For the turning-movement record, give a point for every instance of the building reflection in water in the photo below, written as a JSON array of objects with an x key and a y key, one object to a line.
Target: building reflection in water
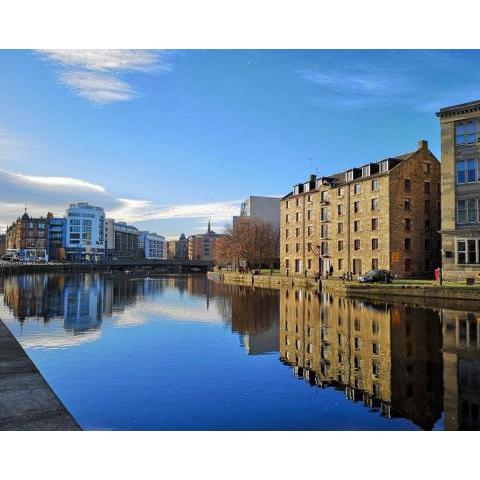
[
  {"x": 399, "y": 360},
  {"x": 414, "y": 362}
]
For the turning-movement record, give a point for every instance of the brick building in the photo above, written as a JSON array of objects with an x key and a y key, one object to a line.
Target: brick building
[
  {"x": 460, "y": 134},
  {"x": 383, "y": 215},
  {"x": 27, "y": 236},
  {"x": 202, "y": 246}
]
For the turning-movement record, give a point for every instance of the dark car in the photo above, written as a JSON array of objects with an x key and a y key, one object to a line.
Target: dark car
[{"x": 376, "y": 276}]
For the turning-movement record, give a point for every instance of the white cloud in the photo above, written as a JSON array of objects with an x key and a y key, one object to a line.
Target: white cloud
[
  {"x": 44, "y": 194},
  {"x": 95, "y": 74},
  {"x": 98, "y": 88},
  {"x": 110, "y": 60}
]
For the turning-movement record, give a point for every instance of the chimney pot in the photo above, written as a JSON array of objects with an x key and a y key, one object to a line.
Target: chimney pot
[{"x": 422, "y": 145}]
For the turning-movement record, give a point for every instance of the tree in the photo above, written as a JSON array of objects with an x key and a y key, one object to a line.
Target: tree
[{"x": 252, "y": 242}]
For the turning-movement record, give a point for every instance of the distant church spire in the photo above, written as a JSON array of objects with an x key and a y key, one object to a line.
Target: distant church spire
[{"x": 209, "y": 230}]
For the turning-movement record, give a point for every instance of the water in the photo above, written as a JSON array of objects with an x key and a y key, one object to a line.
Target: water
[{"x": 182, "y": 353}]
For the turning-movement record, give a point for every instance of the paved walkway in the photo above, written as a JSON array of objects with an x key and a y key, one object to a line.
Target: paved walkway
[{"x": 26, "y": 400}]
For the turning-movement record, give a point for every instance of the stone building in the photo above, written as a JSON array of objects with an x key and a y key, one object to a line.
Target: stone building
[
  {"x": 27, "y": 236},
  {"x": 202, "y": 246},
  {"x": 178, "y": 249},
  {"x": 383, "y": 215},
  {"x": 3, "y": 243},
  {"x": 460, "y": 230}
]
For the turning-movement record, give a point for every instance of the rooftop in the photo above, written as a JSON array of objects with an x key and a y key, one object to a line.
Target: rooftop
[{"x": 461, "y": 106}]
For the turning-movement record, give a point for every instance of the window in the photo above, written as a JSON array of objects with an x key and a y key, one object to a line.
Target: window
[
  {"x": 297, "y": 217},
  {"x": 427, "y": 225},
  {"x": 375, "y": 185},
  {"x": 287, "y": 204},
  {"x": 309, "y": 198},
  {"x": 309, "y": 264},
  {"x": 309, "y": 230},
  {"x": 324, "y": 248},
  {"x": 357, "y": 343},
  {"x": 287, "y": 218},
  {"x": 309, "y": 246},
  {"x": 349, "y": 176},
  {"x": 340, "y": 264},
  {"x": 427, "y": 206},
  {"x": 461, "y": 171},
  {"x": 374, "y": 263},
  {"x": 324, "y": 196},
  {"x": 374, "y": 243},
  {"x": 356, "y": 206},
  {"x": 428, "y": 244},
  {"x": 340, "y": 209},
  {"x": 408, "y": 224},
  {"x": 407, "y": 264},
  {"x": 298, "y": 265},
  {"x": 374, "y": 203},
  {"x": 357, "y": 188},
  {"x": 383, "y": 166},
  {"x": 357, "y": 266},
  {"x": 286, "y": 233},
  {"x": 374, "y": 223},
  {"x": 356, "y": 225},
  {"x": 286, "y": 248},
  {"x": 324, "y": 214},
  {"x": 297, "y": 202},
  {"x": 426, "y": 167},
  {"x": 471, "y": 177},
  {"x": 297, "y": 247},
  {"x": 340, "y": 192},
  {"x": 324, "y": 231},
  {"x": 407, "y": 204},
  {"x": 340, "y": 227},
  {"x": 467, "y": 211},
  {"x": 408, "y": 243},
  {"x": 297, "y": 232},
  {"x": 426, "y": 187},
  {"x": 468, "y": 251},
  {"x": 287, "y": 263},
  {"x": 375, "y": 348},
  {"x": 356, "y": 244},
  {"x": 408, "y": 185},
  {"x": 467, "y": 132},
  {"x": 340, "y": 245}
]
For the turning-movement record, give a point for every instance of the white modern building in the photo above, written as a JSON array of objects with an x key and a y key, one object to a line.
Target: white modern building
[
  {"x": 85, "y": 233},
  {"x": 266, "y": 209},
  {"x": 153, "y": 245}
]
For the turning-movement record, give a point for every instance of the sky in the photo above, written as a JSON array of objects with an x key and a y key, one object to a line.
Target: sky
[{"x": 168, "y": 140}]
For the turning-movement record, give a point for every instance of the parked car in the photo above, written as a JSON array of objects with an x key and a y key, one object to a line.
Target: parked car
[{"x": 376, "y": 276}]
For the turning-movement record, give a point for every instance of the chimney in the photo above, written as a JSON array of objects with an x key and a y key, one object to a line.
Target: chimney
[{"x": 423, "y": 145}]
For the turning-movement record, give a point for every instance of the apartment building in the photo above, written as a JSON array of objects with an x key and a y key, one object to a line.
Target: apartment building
[
  {"x": 126, "y": 241},
  {"x": 202, "y": 246},
  {"x": 27, "y": 237},
  {"x": 84, "y": 233},
  {"x": 460, "y": 230},
  {"x": 152, "y": 245},
  {"x": 384, "y": 214}
]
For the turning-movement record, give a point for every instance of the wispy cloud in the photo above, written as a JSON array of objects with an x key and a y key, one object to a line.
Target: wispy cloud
[
  {"x": 358, "y": 85},
  {"x": 44, "y": 193},
  {"x": 96, "y": 75}
]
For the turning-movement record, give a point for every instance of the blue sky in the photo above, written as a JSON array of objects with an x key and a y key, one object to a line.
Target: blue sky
[{"x": 169, "y": 139}]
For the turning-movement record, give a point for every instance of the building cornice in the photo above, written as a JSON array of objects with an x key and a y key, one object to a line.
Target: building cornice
[{"x": 461, "y": 109}]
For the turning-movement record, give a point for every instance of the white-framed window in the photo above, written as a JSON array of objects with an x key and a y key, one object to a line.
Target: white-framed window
[
  {"x": 468, "y": 251},
  {"x": 357, "y": 188},
  {"x": 375, "y": 185}
]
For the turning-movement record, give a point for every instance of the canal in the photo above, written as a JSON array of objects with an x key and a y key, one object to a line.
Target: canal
[{"x": 124, "y": 352}]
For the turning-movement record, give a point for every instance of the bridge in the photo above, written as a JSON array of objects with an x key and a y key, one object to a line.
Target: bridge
[
  {"x": 145, "y": 265},
  {"x": 176, "y": 266}
]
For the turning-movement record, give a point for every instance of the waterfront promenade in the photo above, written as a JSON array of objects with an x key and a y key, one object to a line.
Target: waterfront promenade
[
  {"x": 424, "y": 289},
  {"x": 26, "y": 400}
]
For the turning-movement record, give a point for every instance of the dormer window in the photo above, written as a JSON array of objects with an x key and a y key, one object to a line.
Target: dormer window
[
  {"x": 306, "y": 187},
  {"x": 296, "y": 189},
  {"x": 349, "y": 176},
  {"x": 384, "y": 166},
  {"x": 366, "y": 171}
]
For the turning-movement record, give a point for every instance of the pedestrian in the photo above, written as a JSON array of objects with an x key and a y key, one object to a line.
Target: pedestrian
[{"x": 331, "y": 270}]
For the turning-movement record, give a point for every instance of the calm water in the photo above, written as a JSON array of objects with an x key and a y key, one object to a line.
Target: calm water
[{"x": 179, "y": 352}]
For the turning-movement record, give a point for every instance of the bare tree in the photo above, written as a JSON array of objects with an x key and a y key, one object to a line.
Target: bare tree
[{"x": 252, "y": 242}]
